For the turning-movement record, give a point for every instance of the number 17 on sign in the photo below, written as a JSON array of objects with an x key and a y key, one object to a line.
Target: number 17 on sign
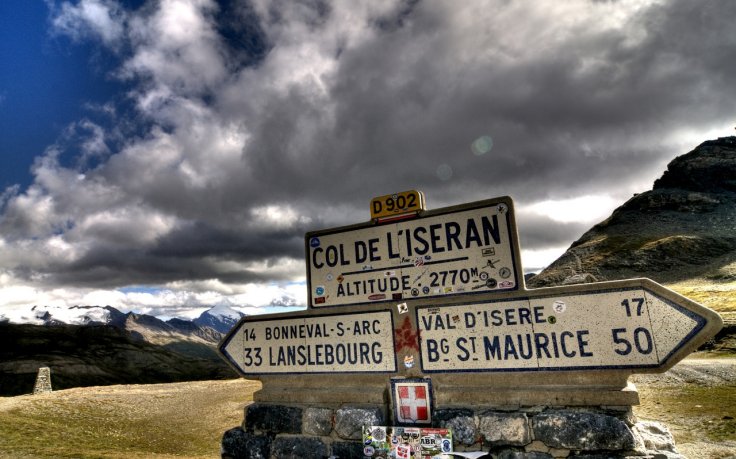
[{"x": 639, "y": 302}]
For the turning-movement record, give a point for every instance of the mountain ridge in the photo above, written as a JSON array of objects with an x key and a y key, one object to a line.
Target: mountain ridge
[
  {"x": 106, "y": 346},
  {"x": 219, "y": 318},
  {"x": 90, "y": 355},
  {"x": 683, "y": 228},
  {"x": 209, "y": 326}
]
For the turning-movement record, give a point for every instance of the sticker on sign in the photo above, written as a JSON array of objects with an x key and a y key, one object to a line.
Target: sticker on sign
[{"x": 456, "y": 250}]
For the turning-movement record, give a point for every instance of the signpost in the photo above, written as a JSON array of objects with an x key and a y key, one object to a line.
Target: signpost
[
  {"x": 451, "y": 281},
  {"x": 419, "y": 312},
  {"x": 626, "y": 326},
  {"x": 457, "y": 250}
]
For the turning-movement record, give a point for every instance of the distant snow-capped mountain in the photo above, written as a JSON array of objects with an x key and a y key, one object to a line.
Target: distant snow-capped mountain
[
  {"x": 221, "y": 318},
  {"x": 102, "y": 345},
  {"x": 208, "y": 327},
  {"x": 72, "y": 315}
]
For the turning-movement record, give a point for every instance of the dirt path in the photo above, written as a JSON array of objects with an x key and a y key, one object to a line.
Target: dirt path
[
  {"x": 696, "y": 399},
  {"x": 708, "y": 372}
]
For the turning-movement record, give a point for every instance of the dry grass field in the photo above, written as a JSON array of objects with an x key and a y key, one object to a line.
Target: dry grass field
[
  {"x": 696, "y": 399},
  {"x": 126, "y": 421},
  {"x": 719, "y": 296}
]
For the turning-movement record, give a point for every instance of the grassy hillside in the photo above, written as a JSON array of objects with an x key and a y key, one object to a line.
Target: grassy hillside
[
  {"x": 89, "y": 356},
  {"x": 696, "y": 400},
  {"x": 719, "y": 296},
  {"x": 683, "y": 228}
]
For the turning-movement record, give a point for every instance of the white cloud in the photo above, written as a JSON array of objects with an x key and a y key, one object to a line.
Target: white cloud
[
  {"x": 179, "y": 300},
  {"x": 535, "y": 260},
  {"x": 177, "y": 48},
  {"x": 103, "y": 19},
  {"x": 252, "y": 127},
  {"x": 129, "y": 226},
  {"x": 95, "y": 143},
  {"x": 582, "y": 209},
  {"x": 277, "y": 216}
]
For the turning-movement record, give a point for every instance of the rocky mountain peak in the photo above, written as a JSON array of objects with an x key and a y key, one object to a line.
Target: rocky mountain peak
[
  {"x": 709, "y": 167},
  {"x": 220, "y": 318}
]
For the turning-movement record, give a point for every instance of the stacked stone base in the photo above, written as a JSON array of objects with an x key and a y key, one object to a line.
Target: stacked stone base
[{"x": 293, "y": 432}]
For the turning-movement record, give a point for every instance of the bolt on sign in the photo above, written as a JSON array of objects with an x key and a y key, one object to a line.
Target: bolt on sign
[{"x": 455, "y": 250}]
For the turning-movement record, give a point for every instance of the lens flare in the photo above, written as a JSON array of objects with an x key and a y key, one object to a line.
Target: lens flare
[
  {"x": 482, "y": 145},
  {"x": 444, "y": 172}
]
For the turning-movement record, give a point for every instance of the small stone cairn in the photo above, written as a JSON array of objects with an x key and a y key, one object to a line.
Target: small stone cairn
[{"x": 43, "y": 381}]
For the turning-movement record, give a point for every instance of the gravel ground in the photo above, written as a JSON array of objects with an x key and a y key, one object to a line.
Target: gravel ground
[{"x": 706, "y": 372}]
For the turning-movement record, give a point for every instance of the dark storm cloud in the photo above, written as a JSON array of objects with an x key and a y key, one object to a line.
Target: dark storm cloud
[
  {"x": 105, "y": 266},
  {"x": 108, "y": 269},
  {"x": 541, "y": 232},
  {"x": 292, "y": 117},
  {"x": 200, "y": 240},
  {"x": 595, "y": 110}
]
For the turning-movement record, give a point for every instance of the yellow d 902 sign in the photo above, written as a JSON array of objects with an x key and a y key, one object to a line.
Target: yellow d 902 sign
[{"x": 397, "y": 204}]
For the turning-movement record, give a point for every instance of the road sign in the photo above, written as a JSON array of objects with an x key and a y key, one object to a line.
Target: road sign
[
  {"x": 293, "y": 344},
  {"x": 456, "y": 250},
  {"x": 633, "y": 325},
  {"x": 393, "y": 205},
  {"x": 443, "y": 295}
]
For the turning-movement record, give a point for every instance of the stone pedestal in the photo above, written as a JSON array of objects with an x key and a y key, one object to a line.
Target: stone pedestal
[
  {"x": 593, "y": 388},
  {"x": 327, "y": 422},
  {"x": 43, "y": 381}
]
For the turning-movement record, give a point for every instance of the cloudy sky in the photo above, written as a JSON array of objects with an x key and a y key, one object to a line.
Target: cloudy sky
[{"x": 169, "y": 155}]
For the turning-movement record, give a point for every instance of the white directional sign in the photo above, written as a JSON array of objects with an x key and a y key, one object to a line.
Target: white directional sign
[
  {"x": 344, "y": 343},
  {"x": 441, "y": 292},
  {"x": 457, "y": 250},
  {"x": 613, "y": 325},
  {"x": 634, "y": 325}
]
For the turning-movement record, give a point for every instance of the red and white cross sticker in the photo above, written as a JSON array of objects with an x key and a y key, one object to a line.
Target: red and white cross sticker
[{"x": 413, "y": 403}]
